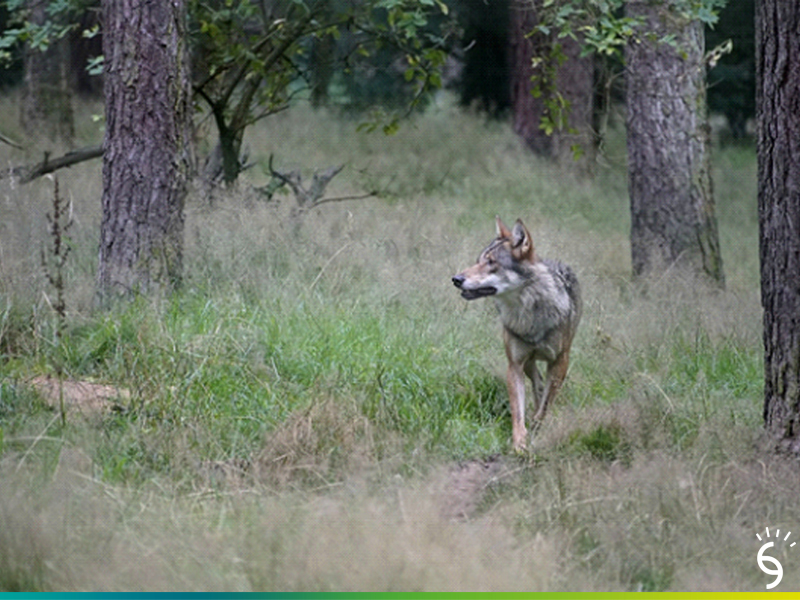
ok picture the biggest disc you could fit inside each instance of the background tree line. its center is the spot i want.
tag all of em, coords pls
(532, 59)
(555, 66)
(481, 68)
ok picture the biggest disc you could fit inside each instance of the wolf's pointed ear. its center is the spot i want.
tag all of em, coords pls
(521, 240)
(503, 232)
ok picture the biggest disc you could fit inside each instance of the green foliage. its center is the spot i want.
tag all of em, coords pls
(253, 59)
(61, 20)
(598, 24)
(556, 107)
(603, 30)
(18, 406)
(256, 60)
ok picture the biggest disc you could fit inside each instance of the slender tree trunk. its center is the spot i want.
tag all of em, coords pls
(46, 108)
(672, 203)
(778, 119)
(146, 148)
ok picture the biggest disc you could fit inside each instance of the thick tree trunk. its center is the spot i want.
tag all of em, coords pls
(778, 118)
(566, 91)
(672, 204)
(46, 108)
(146, 148)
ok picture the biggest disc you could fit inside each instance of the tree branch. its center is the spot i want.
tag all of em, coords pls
(313, 196)
(344, 198)
(27, 173)
(7, 140)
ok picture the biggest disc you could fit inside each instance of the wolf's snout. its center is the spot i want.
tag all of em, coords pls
(458, 280)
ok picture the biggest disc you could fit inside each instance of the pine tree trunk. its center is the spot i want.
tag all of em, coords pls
(778, 118)
(46, 109)
(146, 148)
(672, 204)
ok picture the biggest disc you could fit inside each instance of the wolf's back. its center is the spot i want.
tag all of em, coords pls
(566, 278)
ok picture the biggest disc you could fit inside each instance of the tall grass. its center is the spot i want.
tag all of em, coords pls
(302, 412)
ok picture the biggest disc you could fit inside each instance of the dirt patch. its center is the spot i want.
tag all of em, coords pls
(85, 397)
(464, 485)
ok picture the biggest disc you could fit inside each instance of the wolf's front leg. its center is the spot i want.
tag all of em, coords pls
(515, 381)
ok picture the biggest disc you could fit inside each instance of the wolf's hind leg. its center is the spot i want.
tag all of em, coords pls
(556, 372)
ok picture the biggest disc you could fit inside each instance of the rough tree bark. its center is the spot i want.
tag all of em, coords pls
(778, 122)
(46, 109)
(146, 146)
(672, 205)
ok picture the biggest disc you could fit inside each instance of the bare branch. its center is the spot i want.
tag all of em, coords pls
(27, 173)
(313, 196)
(344, 198)
(7, 140)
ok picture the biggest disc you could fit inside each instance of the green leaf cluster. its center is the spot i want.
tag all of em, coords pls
(253, 60)
(602, 27)
(603, 30)
(61, 20)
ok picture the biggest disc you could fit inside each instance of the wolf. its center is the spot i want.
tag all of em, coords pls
(539, 302)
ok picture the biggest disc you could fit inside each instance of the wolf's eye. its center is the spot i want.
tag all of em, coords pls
(491, 262)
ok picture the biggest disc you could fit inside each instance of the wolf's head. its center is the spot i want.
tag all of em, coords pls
(503, 266)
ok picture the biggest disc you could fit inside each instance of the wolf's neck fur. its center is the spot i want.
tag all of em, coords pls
(532, 310)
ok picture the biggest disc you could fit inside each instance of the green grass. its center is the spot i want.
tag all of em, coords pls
(293, 417)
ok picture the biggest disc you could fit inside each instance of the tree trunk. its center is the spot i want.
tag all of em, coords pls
(672, 203)
(230, 145)
(778, 121)
(565, 94)
(527, 109)
(575, 145)
(46, 108)
(323, 57)
(146, 147)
